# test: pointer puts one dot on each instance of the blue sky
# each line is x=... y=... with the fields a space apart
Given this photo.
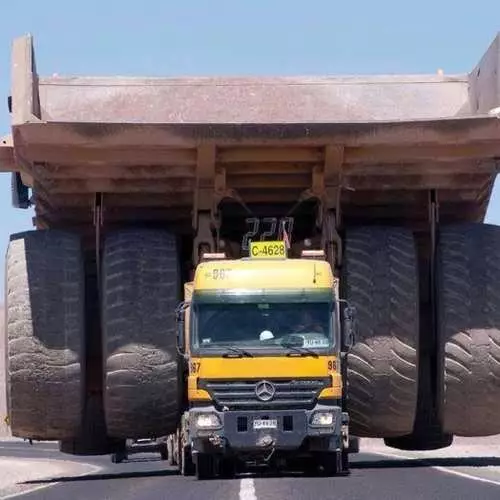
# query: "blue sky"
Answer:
x=259 y=37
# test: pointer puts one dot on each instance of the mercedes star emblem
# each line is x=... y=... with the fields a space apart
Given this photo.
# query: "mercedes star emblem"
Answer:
x=265 y=390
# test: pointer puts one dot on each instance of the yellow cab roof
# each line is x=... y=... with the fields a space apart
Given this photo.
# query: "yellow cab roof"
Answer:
x=263 y=273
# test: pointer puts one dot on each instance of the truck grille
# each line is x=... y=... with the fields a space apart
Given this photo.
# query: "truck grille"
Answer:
x=241 y=394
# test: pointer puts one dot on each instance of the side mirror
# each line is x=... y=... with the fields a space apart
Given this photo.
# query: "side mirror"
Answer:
x=180 y=316
x=349 y=327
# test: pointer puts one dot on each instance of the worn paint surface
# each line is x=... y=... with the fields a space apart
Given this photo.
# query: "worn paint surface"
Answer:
x=4 y=430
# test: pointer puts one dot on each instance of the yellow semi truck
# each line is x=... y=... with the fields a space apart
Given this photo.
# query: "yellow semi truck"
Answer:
x=261 y=337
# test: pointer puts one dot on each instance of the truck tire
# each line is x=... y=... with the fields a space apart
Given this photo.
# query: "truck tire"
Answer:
x=380 y=279
x=427 y=432
x=45 y=322
x=468 y=295
x=140 y=291
x=207 y=466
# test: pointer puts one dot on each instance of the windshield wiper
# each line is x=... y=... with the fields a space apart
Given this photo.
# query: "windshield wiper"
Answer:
x=236 y=350
x=304 y=351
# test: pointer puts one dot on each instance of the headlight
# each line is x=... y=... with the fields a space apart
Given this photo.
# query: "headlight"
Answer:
x=207 y=421
x=323 y=418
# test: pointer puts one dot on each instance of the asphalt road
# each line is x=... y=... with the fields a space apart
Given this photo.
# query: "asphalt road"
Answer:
x=372 y=477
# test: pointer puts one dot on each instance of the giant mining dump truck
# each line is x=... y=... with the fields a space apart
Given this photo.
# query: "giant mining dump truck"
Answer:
x=132 y=179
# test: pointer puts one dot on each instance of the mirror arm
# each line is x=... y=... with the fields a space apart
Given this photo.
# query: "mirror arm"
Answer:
x=349 y=325
x=180 y=313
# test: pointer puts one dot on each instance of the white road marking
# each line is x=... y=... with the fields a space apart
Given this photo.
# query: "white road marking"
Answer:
x=93 y=470
x=247 y=489
x=437 y=467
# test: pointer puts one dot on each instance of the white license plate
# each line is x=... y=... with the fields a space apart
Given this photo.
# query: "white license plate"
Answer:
x=265 y=424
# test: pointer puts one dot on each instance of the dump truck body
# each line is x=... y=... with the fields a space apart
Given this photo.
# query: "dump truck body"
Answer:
x=384 y=140
x=133 y=179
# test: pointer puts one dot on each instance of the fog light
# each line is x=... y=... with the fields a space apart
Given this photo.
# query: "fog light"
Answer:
x=207 y=421
x=323 y=418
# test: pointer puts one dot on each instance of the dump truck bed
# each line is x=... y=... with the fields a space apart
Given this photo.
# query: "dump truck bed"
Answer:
x=150 y=144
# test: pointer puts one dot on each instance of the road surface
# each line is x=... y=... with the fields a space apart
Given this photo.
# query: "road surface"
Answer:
x=372 y=476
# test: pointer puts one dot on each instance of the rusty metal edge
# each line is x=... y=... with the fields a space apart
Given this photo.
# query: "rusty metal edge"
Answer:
x=460 y=130
x=7 y=161
x=24 y=82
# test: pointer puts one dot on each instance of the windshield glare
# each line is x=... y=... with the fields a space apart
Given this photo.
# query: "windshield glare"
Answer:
x=271 y=326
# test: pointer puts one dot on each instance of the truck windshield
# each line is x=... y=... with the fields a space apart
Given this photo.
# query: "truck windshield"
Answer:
x=272 y=326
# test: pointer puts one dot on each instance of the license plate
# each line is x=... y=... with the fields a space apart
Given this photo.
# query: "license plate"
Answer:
x=268 y=250
x=265 y=424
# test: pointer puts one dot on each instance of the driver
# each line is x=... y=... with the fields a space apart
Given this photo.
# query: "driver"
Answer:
x=307 y=324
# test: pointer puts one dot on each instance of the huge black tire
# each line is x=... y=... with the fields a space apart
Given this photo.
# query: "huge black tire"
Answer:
x=427 y=433
x=140 y=292
x=45 y=322
x=380 y=278
x=468 y=294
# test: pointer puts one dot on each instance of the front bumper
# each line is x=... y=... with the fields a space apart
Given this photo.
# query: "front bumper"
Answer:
x=293 y=432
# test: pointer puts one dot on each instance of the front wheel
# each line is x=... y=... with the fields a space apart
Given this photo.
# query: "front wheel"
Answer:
x=205 y=466
x=119 y=457
x=331 y=463
x=186 y=465
x=345 y=461
x=164 y=454
x=228 y=468
x=172 y=461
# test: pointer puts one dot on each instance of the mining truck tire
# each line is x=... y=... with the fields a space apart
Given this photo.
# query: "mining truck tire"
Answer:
x=140 y=292
x=380 y=278
x=468 y=297
x=427 y=432
x=45 y=323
